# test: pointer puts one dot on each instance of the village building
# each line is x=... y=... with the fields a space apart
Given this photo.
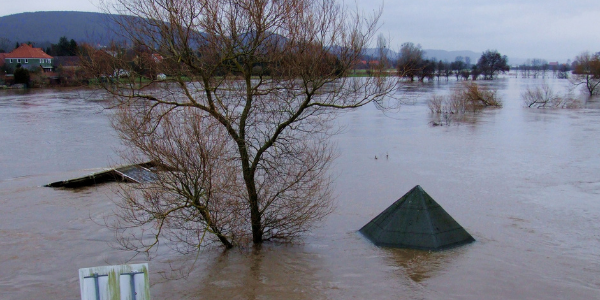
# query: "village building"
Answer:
x=29 y=58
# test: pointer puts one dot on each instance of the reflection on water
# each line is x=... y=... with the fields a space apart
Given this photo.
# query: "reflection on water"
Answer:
x=523 y=182
x=270 y=271
x=279 y=273
x=420 y=265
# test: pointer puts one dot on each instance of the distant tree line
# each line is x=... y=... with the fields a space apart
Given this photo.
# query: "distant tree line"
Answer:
x=412 y=65
x=537 y=67
x=63 y=48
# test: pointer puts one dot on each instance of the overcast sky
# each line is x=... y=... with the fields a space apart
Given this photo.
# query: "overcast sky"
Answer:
x=548 y=29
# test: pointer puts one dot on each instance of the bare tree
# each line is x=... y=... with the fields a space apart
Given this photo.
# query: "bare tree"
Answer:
x=410 y=60
x=587 y=72
x=544 y=97
x=563 y=71
x=241 y=125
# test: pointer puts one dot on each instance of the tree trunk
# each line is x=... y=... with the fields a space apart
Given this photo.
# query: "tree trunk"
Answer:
x=255 y=217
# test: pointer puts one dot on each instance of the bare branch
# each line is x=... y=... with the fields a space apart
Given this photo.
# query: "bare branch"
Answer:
x=240 y=121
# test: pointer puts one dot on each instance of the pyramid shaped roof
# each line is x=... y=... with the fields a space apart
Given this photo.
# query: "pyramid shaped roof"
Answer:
x=416 y=221
x=27 y=51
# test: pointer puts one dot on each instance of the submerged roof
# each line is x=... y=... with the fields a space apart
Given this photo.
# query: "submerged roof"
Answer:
x=27 y=51
x=416 y=221
x=138 y=173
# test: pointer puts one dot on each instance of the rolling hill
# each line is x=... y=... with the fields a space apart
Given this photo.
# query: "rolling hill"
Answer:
x=43 y=28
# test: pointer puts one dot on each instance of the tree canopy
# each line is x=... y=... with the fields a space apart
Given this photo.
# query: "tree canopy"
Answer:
x=63 y=48
x=586 y=69
x=491 y=63
x=410 y=61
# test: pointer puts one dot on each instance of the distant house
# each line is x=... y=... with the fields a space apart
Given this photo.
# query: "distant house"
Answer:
x=29 y=58
x=365 y=64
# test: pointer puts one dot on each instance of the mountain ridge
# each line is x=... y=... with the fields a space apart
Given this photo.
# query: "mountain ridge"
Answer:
x=41 y=28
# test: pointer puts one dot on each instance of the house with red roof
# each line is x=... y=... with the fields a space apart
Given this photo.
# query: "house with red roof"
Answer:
x=29 y=58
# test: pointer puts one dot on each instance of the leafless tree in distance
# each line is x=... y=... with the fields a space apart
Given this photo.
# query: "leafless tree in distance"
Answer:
x=240 y=127
x=587 y=72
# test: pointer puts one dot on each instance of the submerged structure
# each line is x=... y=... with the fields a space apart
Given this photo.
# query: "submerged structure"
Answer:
x=416 y=221
x=137 y=173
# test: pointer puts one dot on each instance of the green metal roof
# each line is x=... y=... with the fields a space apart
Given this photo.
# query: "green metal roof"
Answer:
x=416 y=221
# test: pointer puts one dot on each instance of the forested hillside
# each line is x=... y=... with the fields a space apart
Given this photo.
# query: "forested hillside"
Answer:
x=43 y=28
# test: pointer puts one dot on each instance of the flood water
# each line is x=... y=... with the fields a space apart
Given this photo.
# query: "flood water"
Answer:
x=524 y=182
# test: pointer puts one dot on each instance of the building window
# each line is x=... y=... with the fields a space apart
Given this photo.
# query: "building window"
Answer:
x=18 y=60
x=26 y=60
x=10 y=60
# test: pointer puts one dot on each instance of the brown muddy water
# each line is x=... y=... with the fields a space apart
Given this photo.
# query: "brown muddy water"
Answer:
x=524 y=182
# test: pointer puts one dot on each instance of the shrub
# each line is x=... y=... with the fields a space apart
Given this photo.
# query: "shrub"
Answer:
x=469 y=97
x=478 y=97
x=436 y=104
x=544 y=97
x=22 y=76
